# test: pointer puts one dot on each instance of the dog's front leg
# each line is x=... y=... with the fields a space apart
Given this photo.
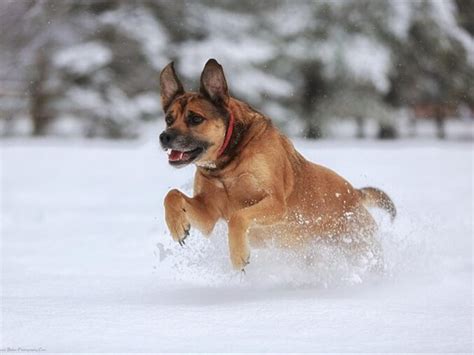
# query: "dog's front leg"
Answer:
x=182 y=212
x=268 y=211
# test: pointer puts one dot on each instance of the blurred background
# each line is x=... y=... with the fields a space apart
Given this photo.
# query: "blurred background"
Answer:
x=319 y=69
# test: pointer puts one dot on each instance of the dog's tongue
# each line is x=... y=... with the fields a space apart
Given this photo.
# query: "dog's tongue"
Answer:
x=175 y=155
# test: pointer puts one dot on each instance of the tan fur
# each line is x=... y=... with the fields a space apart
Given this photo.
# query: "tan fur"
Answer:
x=265 y=190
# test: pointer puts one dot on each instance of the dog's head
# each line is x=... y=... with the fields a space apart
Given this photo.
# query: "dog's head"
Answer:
x=196 y=122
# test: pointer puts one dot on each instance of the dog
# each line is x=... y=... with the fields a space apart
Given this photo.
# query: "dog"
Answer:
x=250 y=175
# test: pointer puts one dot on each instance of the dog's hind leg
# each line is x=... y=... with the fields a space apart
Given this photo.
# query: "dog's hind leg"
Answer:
x=361 y=244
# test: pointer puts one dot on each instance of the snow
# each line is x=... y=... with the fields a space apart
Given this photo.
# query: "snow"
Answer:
x=85 y=58
x=365 y=59
x=445 y=13
x=87 y=263
x=244 y=58
x=240 y=58
x=103 y=111
x=400 y=22
x=140 y=25
x=149 y=104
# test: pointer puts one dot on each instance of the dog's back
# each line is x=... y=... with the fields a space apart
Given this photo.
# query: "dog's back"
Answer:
x=320 y=202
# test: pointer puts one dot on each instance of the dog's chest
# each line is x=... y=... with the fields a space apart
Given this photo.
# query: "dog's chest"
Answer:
x=242 y=191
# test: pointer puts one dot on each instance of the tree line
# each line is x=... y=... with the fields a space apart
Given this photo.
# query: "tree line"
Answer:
x=93 y=65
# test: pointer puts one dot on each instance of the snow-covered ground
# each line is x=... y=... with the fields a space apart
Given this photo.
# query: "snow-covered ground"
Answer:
x=87 y=263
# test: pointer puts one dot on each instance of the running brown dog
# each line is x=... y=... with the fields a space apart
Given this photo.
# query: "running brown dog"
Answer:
x=250 y=175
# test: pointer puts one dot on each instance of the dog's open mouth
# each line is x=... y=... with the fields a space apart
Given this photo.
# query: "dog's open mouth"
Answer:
x=181 y=158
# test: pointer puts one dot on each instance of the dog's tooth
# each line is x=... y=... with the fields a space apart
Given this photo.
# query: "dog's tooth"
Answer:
x=181 y=155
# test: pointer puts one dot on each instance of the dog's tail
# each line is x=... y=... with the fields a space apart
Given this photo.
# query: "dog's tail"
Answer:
x=373 y=197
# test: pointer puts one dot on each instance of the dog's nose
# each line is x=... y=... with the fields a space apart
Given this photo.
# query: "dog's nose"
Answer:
x=165 y=138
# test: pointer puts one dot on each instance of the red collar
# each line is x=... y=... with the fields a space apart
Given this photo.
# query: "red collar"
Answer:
x=228 y=134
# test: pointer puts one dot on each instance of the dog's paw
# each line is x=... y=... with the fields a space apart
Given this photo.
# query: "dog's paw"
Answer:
x=181 y=241
x=175 y=216
x=179 y=227
x=240 y=259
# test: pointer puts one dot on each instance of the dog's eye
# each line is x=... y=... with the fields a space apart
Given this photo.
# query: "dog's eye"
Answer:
x=195 y=120
x=169 y=120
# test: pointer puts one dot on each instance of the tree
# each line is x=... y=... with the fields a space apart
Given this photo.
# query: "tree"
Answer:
x=304 y=63
x=33 y=30
x=434 y=62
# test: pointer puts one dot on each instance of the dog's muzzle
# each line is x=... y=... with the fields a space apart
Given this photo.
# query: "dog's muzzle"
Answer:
x=182 y=149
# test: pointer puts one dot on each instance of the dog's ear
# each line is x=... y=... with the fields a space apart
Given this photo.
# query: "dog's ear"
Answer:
x=170 y=86
x=213 y=84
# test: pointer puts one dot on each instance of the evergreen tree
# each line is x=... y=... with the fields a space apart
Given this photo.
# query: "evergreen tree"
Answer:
x=304 y=63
